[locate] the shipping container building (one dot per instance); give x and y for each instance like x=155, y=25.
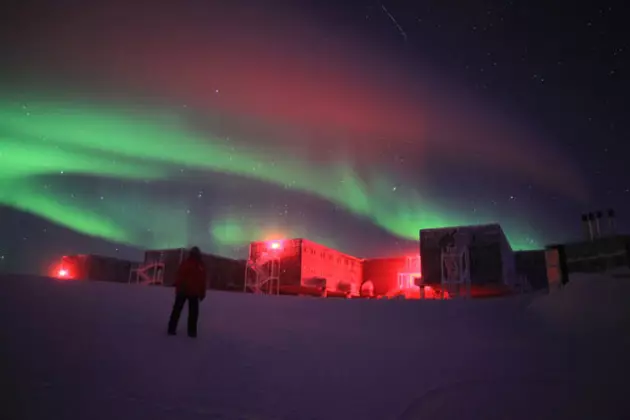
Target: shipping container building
x=222, y=273
x=383, y=273
x=168, y=260
x=94, y=267
x=301, y=266
x=602, y=249
x=589, y=256
x=305, y=265
x=492, y=264
x=599, y=254
x=533, y=266
x=388, y=275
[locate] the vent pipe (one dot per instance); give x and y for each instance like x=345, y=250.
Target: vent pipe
x=611, y=222
x=588, y=230
x=598, y=225
x=591, y=222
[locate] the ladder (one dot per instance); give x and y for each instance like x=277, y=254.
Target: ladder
x=455, y=272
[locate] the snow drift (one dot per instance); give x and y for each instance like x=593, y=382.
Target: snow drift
x=78, y=350
x=590, y=304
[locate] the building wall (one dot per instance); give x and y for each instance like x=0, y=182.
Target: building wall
x=98, y=267
x=336, y=267
x=171, y=258
x=557, y=274
x=290, y=253
x=108, y=269
x=508, y=262
x=383, y=273
x=532, y=264
x=599, y=254
x=486, y=264
x=224, y=273
x=596, y=255
x=431, y=264
x=491, y=258
x=221, y=273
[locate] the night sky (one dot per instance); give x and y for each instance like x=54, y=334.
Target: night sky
x=133, y=125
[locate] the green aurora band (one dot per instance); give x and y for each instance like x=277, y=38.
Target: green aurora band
x=48, y=139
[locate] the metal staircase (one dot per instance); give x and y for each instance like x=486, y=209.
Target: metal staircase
x=455, y=272
x=262, y=273
x=151, y=273
x=408, y=279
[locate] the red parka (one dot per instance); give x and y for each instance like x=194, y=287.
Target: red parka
x=191, y=279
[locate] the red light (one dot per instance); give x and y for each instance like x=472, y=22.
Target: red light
x=64, y=269
x=275, y=245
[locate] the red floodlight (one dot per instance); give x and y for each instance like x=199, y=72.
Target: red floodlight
x=63, y=270
x=275, y=245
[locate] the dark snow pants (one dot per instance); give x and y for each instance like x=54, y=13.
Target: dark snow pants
x=193, y=314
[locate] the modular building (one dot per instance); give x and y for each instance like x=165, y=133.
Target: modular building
x=303, y=267
x=94, y=267
x=594, y=255
x=222, y=273
x=602, y=249
x=532, y=265
x=389, y=275
x=491, y=259
x=383, y=273
x=161, y=265
x=599, y=254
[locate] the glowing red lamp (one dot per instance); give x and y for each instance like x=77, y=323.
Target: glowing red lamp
x=276, y=246
x=63, y=273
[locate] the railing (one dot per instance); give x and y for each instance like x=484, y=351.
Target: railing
x=266, y=276
x=150, y=274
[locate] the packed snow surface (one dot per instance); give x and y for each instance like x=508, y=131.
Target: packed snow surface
x=97, y=350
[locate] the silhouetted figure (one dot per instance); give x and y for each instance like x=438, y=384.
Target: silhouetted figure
x=190, y=285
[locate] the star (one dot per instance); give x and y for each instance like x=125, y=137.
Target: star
x=388, y=130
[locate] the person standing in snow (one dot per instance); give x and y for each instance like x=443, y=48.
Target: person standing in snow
x=190, y=285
